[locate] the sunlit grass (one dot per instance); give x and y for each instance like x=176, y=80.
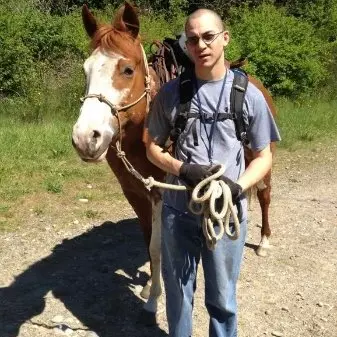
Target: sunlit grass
x=304, y=122
x=38, y=161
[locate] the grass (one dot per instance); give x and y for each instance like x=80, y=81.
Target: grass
x=39, y=167
x=307, y=121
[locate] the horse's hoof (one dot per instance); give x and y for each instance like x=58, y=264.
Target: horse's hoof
x=262, y=251
x=147, y=318
x=145, y=293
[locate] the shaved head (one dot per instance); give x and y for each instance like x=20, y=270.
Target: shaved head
x=206, y=39
x=213, y=16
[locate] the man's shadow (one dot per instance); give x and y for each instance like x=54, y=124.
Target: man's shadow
x=81, y=272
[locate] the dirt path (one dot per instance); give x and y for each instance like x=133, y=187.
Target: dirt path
x=83, y=279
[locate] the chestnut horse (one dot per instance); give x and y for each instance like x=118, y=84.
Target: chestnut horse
x=119, y=87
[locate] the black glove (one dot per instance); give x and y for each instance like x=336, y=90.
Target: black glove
x=235, y=188
x=192, y=174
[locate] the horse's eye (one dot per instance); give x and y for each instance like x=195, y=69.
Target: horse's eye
x=128, y=71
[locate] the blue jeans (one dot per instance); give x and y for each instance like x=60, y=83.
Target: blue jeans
x=183, y=244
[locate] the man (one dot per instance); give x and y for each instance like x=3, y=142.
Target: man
x=183, y=242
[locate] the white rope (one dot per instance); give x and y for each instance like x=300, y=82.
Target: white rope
x=213, y=189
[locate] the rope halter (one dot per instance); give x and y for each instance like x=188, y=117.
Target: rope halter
x=114, y=109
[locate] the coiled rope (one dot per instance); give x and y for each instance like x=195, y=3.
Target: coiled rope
x=207, y=197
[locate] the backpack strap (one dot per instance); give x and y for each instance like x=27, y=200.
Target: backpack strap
x=237, y=99
x=186, y=95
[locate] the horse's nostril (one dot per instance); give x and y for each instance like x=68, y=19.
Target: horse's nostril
x=96, y=134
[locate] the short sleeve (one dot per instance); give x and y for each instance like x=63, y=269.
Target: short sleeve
x=262, y=129
x=162, y=110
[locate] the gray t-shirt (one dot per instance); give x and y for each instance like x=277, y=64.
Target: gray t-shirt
x=219, y=146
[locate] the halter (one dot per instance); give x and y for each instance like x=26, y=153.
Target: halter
x=114, y=109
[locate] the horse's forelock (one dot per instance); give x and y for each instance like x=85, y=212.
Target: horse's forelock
x=110, y=39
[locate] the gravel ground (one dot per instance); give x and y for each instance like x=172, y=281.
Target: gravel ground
x=83, y=278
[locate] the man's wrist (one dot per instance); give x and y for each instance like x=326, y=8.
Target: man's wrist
x=181, y=169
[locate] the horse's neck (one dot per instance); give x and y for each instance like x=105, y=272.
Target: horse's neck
x=155, y=82
x=133, y=132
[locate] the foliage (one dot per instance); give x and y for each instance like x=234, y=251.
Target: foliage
x=291, y=46
x=285, y=51
x=222, y=7
x=50, y=38
x=31, y=41
x=157, y=28
x=322, y=14
x=16, y=62
x=63, y=7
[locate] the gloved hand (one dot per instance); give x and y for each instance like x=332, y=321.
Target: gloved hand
x=192, y=174
x=235, y=188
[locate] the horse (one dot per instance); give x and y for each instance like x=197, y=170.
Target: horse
x=120, y=85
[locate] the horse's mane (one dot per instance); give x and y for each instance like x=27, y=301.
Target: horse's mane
x=110, y=39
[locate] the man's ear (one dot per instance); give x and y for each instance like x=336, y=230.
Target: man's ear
x=226, y=37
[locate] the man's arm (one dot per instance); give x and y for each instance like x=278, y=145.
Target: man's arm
x=257, y=168
x=161, y=158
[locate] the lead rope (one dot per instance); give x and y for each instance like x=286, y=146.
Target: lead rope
x=201, y=203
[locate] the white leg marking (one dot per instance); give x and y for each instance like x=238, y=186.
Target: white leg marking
x=156, y=288
x=261, y=185
x=264, y=246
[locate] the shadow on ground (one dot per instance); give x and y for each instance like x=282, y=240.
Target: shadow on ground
x=251, y=246
x=81, y=272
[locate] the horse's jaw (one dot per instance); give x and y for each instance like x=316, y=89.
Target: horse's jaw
x=90, y=157
x=99, y=159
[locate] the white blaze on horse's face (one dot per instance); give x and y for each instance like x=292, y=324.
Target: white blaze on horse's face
x=96, y=125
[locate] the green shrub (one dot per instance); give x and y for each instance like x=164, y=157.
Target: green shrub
x=41, y=54
x=50, y=38
x=157, y=27
x=32, y=42
x=287, y=55
x=222, y=7
x=17, y=69
x=322, y=14
x=63, y=7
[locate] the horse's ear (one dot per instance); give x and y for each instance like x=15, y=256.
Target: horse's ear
x=127, y=20
x=89, y=21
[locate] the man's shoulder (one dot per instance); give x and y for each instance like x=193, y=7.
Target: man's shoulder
x=253, y=92
x=168, y=96
x=170, y=87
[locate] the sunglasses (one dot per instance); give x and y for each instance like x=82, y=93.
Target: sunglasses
x=206, y=38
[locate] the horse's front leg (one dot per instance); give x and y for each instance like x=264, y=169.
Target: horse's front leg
x=153, y=289
x=263, y=194
x=149, y=215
